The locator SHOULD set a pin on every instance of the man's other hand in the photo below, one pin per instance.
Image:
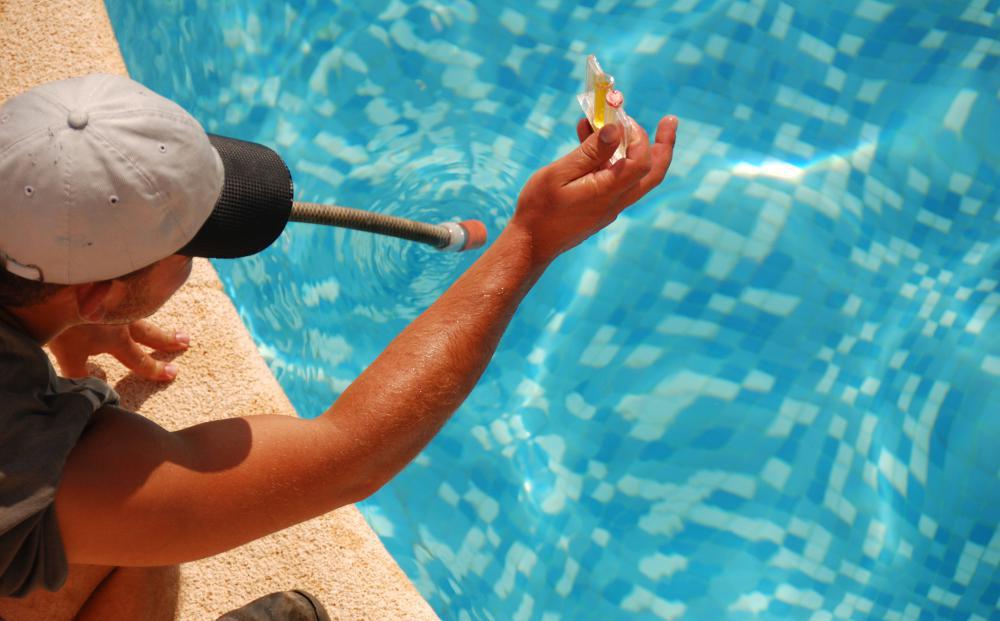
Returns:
(74, 346)
(574, 197)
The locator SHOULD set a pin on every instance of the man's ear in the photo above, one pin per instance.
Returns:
(90, 300)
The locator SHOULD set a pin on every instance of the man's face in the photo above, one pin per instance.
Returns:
(143, 295)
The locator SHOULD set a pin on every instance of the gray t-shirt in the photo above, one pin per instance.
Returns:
(41, 419)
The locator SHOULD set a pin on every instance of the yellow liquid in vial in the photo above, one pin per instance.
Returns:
(600, 102)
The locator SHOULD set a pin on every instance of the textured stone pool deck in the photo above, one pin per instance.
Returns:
(337, 556)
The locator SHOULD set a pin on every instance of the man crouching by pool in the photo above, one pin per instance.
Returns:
(106, 192)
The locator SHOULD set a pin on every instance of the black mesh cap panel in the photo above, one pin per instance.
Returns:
(254, 206)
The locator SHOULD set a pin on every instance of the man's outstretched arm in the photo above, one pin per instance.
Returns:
(135, 494)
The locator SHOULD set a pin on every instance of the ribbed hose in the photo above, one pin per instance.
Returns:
(360, 220)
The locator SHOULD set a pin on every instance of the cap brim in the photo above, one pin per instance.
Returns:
(254, 206)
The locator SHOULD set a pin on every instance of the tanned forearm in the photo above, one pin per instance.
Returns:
(400, 402)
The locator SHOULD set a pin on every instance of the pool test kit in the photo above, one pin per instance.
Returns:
(602, 104)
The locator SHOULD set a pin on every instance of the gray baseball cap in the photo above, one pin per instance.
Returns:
(100, 176)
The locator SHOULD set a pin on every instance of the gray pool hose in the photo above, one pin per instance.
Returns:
(447, 237)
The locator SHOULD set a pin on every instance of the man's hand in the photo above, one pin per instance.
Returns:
(74, 346)
(574, 197)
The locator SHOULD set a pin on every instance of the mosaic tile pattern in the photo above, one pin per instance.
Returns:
(770, 391)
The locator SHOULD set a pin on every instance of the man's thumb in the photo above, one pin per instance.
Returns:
(591, 154)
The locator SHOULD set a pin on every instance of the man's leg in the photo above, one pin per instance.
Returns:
(61, 605)
(101, 593)
(147, 593)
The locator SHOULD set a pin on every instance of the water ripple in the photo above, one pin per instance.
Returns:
(397, 278)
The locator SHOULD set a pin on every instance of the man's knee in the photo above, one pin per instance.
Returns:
(39, 605)
(135, 593)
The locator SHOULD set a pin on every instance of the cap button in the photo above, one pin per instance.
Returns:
(78, 119)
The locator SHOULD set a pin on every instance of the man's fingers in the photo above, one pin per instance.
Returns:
(589, 156)
(638, 147)
(151, 335)
(663, 150)
(133, 356)
(637, 162)
(584, 131)
(662, 155)
(625, 175)
(666, 131)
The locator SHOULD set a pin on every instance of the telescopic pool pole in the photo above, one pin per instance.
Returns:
(273, 206)
(447, 237)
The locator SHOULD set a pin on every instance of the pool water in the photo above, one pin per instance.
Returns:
(769, 391)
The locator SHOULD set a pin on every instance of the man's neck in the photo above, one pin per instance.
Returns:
(42, 322)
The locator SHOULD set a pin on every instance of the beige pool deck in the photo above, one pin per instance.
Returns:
(337, 556)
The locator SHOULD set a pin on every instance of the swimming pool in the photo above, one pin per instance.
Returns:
(769, 391)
